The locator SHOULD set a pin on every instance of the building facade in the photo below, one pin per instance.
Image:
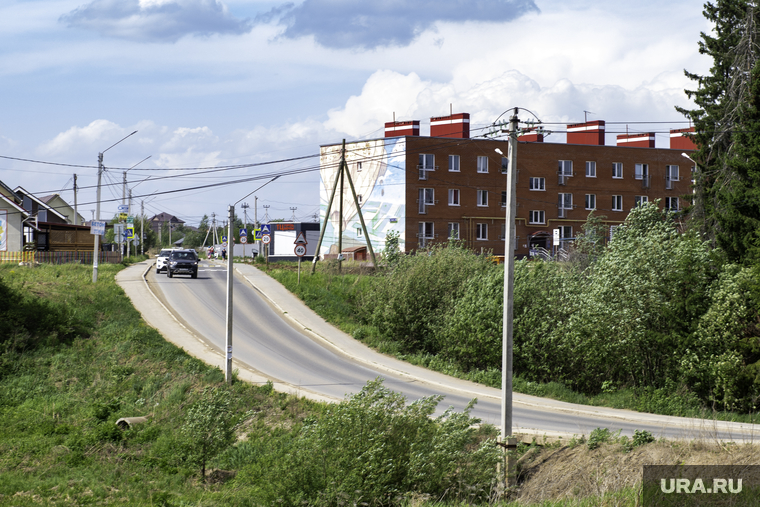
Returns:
(448, 185)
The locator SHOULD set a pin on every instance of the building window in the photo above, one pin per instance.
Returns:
(426, 233)
(641, 171)
(426, 163)
(358, 167)
(359, 198)
(590, 169)
(671, 175)
(671, 203)
(617, 170)
(566, 167)
(482, 164)
(504, 165)
(453, 230)
(426, 198)
(565, 203)
(454, 163)
(359, 232)
(482, 197)
(590, 201)
(617, 203)
(641, 199)
(481, 231)
(453, 197)
(537, 217)
(537, 183)
(565, 235)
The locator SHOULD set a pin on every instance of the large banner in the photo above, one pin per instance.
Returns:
(3, 231)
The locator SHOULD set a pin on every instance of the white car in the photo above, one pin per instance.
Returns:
(163, 259)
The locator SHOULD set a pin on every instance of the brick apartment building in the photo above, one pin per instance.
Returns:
(448, 185)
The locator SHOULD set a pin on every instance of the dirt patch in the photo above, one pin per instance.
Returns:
(550, 474)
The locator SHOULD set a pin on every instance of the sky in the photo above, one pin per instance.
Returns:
(262, 84)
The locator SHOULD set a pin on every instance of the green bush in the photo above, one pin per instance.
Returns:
(407, 304)
(375, 448)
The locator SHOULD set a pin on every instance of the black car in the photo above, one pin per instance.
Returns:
(182, 262)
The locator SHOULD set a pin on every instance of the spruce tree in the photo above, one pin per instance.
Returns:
(740, 221)
(733, 46)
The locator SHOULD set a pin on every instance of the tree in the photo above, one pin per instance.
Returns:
(739, 236)
(719, 97)
(208, 428)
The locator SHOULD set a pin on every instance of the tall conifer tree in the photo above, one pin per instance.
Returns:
(720, 96)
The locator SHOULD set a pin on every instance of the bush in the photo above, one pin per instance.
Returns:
(375, 448)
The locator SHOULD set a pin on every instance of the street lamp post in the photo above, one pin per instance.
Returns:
(230, 255)
(97, 208)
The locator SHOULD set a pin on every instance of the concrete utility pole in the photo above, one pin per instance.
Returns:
(228, 364)
(76, 208)
(97, 208)
(142, 225)
(245, 224)
(230, 250)
(96, 248)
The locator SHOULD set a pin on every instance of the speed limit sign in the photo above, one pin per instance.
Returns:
(300, 250)
(266, 238)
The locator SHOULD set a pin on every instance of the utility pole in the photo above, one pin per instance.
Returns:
(256, 221)
(293, 218)
(245, 224)
(96, 249)
(230, 243)
(339, 178)
(509, 277)
(76, 208)
(142, 225)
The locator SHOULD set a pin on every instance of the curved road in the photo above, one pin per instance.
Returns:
(275, 337)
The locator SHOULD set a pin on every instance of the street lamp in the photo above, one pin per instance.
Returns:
(97, 208)
(230, 255)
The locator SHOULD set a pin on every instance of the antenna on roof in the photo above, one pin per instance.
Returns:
(585, 116)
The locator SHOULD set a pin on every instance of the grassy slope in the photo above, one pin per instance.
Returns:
(60, 398)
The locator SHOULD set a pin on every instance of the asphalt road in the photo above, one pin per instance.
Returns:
(276, 338)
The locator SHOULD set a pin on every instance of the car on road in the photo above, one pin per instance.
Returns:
(182, 262)
(162, 259)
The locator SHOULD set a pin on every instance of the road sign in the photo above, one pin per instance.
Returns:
(266, 229)
(129, 233)
(130, 219)
(122, 217)
(301, 239)
(555, 237)
(224, 244)
(123, 208)
(257, 234)
(244, 232)
(224, 239)
(98, 227)
(300, 250)
(243, 239)
(266, 238)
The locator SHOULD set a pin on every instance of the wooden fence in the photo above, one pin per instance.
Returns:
(58, 257)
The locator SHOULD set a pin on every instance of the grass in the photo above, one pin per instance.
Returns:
(61, 395)
(333, 295)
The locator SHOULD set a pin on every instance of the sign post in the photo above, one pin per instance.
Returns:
(300, 251)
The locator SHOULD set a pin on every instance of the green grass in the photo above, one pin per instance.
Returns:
(61, 395)
(333, 296)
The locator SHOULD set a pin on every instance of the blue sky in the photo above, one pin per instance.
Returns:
(211, 83)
